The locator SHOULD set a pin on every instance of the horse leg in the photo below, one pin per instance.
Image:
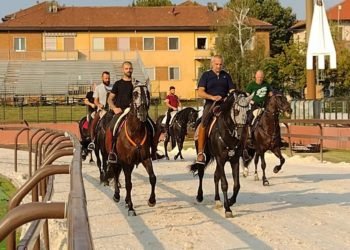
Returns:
(166, 140)
(98, 162)
(200, 186)
(91, 159)
(263, 167)
(106, 174)
(216, 183)
(152, 179)
(220, 164)
(236, 184)
(117, 169)
(128, 186)
(180, 143)
(277, 152)
(256, 161)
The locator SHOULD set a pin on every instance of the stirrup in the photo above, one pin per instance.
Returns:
(91, 146)
(204, 158)
(112, 158)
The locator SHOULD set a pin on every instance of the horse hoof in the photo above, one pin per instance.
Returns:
(106, 183)
(199, 198)
(150, 204)
(131, 213)
(245, 172)
(175, 158)
(266, 183)
(276, 169)
(228, 215)
(116, 199)
(218, 204)
(256, 177)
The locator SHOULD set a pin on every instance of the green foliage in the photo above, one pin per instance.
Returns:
(281, 18)
(235, 44)
(287, 70)
(151, 3)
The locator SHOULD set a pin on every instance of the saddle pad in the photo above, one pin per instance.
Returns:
(126, 111)
(86, 125)
(172, 114)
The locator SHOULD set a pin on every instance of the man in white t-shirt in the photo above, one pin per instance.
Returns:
(100, 100)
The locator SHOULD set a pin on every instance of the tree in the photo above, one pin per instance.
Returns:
(152, 3)
(281, 18)
(236, 44)
(286, 71)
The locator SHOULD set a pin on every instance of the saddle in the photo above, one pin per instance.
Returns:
(172, 114)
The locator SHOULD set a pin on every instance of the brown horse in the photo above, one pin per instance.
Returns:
(133, 144)
(266, 134)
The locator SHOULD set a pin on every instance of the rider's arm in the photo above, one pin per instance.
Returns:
(110, 101)
(97, 103)
(202, 94)
(168, 104)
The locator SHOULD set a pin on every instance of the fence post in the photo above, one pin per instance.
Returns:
(54, 116)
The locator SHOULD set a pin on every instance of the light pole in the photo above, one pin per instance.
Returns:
(339, 9)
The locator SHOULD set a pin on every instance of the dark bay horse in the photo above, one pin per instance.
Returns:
(178, 129)
(85, 138)
(266, 134)
(224, 144)
(133, 144)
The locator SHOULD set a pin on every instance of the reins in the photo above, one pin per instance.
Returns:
(132, 142)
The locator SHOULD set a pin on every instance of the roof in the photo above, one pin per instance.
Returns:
(344, 12)
(38, 18)
(300, 24)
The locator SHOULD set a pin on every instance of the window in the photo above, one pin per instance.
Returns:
(173, 43)
(148, 43)
(69, 44)
(201, 43)
(50, 43)
(174, 73)
(151, 73)
(124, 43)
(98, 43)
(20, 44)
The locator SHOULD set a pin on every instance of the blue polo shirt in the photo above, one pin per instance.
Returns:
(216, 84)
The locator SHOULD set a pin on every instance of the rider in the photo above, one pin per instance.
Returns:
(100, 100)
(173, 103)
(213, 85)
(119, 99)
(89, 102)
(261, 90)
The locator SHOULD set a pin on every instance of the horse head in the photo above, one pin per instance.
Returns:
(140, 100)
(239, 105)
(278, 103)
(192, 118)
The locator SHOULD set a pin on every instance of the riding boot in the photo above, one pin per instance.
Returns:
(112, 157)
(201, 143)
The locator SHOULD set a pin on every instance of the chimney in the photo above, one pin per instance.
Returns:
(215, 6)
(53, 7)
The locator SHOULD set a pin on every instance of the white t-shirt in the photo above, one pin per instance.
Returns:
(101, 93)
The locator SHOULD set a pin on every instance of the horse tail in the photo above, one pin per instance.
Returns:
(194, 167)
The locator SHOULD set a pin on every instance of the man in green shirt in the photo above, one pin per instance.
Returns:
(261, 90)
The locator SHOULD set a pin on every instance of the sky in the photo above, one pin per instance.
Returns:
(11, 6)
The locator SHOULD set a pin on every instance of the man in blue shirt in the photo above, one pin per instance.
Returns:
(213, 85)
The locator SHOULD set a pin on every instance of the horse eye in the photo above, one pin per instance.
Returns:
(236, 112)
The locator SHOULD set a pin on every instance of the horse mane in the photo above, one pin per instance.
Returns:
(183, 115)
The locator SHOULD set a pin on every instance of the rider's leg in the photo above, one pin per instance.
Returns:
(202, 135)
(168, 118)
(111, 140)
(91, 146)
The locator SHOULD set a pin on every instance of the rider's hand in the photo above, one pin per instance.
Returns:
(175, 109)
(100, 106)
(117, 110)
(216, 98)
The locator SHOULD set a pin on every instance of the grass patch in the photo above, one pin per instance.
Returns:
(330, 155)
(7, 189)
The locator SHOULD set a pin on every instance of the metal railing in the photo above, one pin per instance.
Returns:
(47, 146)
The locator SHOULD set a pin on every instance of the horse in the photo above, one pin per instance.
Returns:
(266, 135)
(132, 146)
(178, 129)
(85, 138)
(224, 144)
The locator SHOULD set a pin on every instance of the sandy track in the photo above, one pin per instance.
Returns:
(307, 205)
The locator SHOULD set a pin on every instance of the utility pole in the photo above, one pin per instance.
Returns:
(310, 74)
